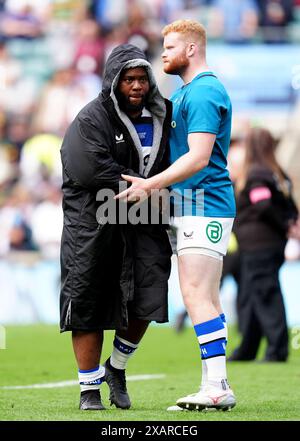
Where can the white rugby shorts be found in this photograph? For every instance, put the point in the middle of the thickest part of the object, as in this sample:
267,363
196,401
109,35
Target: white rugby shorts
202,235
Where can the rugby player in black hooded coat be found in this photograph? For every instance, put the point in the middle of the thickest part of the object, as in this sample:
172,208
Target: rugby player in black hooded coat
113,275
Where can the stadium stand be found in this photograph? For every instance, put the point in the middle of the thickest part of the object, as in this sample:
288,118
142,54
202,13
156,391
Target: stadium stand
52,54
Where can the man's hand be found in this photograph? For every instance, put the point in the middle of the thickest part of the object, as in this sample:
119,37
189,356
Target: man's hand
137,192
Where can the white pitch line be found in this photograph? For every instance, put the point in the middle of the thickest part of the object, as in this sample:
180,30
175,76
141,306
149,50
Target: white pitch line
75,383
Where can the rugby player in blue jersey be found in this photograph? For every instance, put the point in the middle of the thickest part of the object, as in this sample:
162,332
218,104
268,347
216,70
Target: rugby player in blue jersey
199,142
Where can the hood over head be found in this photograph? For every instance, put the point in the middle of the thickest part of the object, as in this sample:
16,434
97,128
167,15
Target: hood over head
128,56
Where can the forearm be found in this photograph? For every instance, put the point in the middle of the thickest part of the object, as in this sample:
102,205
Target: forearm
198,156
185,167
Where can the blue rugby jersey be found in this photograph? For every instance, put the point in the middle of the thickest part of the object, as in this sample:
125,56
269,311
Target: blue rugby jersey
144,127
203,105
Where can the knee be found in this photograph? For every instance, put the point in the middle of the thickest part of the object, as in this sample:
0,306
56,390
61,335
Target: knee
188,299
194,297
189,291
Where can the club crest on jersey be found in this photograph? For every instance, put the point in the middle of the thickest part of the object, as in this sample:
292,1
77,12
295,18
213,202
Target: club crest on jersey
214,231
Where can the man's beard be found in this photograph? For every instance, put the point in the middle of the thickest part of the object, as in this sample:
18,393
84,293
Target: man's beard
177,66
127,106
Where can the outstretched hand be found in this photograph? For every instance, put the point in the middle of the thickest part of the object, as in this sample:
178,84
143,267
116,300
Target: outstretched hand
137,192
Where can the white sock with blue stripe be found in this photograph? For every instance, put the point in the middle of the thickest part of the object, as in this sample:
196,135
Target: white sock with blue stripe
212,340
204,366
223,318
121,353
91,379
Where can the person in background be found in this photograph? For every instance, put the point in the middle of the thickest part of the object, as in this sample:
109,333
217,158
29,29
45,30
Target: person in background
275,16
265,213
235,21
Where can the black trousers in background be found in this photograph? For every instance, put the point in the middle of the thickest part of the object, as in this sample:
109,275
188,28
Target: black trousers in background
260,306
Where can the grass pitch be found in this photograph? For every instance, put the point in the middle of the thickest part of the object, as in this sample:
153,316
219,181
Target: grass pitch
39,354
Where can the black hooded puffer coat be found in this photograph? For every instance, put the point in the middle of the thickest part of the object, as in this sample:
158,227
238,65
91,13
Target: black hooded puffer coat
109,271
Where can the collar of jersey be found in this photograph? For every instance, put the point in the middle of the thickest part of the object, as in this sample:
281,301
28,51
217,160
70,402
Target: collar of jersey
202,74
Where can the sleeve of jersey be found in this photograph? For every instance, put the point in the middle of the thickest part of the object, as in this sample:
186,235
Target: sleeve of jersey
203,110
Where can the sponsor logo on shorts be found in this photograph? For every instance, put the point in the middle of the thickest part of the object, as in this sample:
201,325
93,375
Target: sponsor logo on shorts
188,235
214,231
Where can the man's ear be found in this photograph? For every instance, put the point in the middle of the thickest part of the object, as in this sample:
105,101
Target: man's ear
191,49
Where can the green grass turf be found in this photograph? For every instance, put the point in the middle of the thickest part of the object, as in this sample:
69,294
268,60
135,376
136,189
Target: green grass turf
39,354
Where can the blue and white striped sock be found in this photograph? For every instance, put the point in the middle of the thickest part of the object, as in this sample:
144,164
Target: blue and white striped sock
121,353
91,379
223,318
212,340
204,366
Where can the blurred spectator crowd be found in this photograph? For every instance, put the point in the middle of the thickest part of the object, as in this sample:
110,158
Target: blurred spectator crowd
52,56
